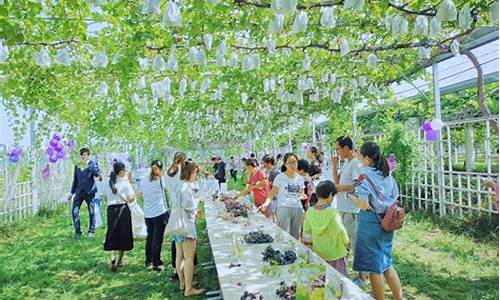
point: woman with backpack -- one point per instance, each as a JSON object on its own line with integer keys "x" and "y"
{"x": 376, "y": 192}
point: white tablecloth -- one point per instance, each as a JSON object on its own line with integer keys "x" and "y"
{"x": 234, "y": 281}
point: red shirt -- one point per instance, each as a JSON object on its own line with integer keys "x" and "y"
{"x": 259, "y": 195}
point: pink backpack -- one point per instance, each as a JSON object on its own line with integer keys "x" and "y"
{"x": 394, "y": 216}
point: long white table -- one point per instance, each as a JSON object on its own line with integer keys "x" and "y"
{"x": 248, "y": 277}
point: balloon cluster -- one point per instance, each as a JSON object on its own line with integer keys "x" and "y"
{"x": 392, "y": 161}
{"x": 431, "y": 130}
{"x": 55, "y": 151}
{"x": 15, "y": 154}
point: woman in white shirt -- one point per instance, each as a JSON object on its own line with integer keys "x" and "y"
{"x": 119, "y": 236}
{"x": 155, "y": 215}
{"x": 173, "y": 183}
{"x": 289, "y": 190}
{"x": 186, "y": 245}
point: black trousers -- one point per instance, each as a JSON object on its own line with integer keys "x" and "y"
{"x": 156, "y": 228}
{"x": 233, "y": 173}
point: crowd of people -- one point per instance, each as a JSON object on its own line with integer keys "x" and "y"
{"x": 337, "y": 218}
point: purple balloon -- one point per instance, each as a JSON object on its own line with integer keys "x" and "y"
{"x": 431, "y": 136}
{"x": 14, "y": 158}
{"x": 58, "y": 147}
{"x": 71, "y": 145}
{"x": 54, "y": 142}
{"x": 427, "y": 126}
{"x": 49, "y": 151}
{"x": 57, "y": 136}
{"x": 46, "y": 172}
{"x": 61, "y": 154}
{"x": 17, "y": 151}
{"x": 53, "y": 159}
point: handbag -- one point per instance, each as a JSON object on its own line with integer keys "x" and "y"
{"x": 395, "y": 214}
{"x": 166, "y": 202}
{"x": 179, "y": 223}
{"x": 139, "y": 229}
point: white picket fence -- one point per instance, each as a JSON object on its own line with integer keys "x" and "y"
{"x": 24, "y": 192}
{"x": 460, "y": 191}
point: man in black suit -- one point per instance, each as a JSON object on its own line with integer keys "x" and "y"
{"x": 84, "y": 189}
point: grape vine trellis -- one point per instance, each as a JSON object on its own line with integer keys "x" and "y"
{"x": 196, "y": 73}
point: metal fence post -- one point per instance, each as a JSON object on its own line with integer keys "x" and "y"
{"x": 439, "y": 148}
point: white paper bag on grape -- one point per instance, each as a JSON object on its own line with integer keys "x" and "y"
{"x": 455, "y": 48}
{"x": 270, "y": 45}
{"x": 345, "y": 48}
{"x": 100, "y": 60}
{"x": 435, "y": 27}
{"x": 193, "y": 55}
{"x": 327, "y": 18}
{"x": 354, "y": 4}
{"x": 300, "y": 22}
{"x": 117, "y": 87}
{"x": 151, "y": 6}
{"x": 276, "y": 24}
{"x": 172, "y": 14}
{"x": 493, "y": 13}
{"x": 207, "y": 40}
{"x": 422, "y": 26}
{"x": 63, "y": 57}
{"x": 447, "y": 11}
{"x": 372, "y": 60}
{"x": 42, "y": 58}
{"x": 362, "y": 82}
{"x": 159, "y": 63}
{"x": 234, "y": 60}
{"x": 424, "y": 53}
{"x": 388, "y": 21}
{"x": 205, "y": 85}
{"x": 143, "y": 62}
{"x": 202, "y": 57}
{"x": 4, "y": 52}
{"x": 465, "y": 18}
{"x": 255, "y": 61}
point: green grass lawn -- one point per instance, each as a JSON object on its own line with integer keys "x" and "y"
{"x": 39, "y": 260}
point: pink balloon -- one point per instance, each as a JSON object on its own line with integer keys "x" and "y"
{"x": 427, "y": 126}
{"x": 431, "y": 136}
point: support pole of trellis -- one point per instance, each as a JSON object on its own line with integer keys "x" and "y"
{"x": 354, "y": 121}
{"x": 313, "y": 130}
{"x": 439, "y": 145}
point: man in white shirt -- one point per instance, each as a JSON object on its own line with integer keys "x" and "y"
{"x": 344, "y": 183}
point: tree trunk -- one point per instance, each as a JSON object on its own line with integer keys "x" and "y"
{"x": 480, "y": 86}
